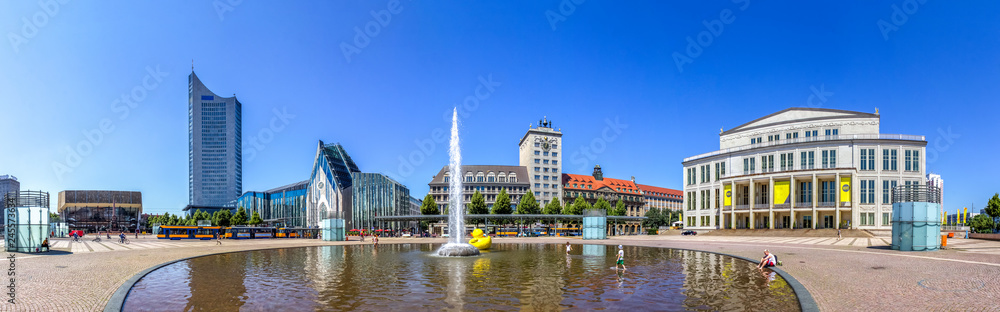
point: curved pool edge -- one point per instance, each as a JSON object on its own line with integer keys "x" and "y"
{"x": 117, "y": 301}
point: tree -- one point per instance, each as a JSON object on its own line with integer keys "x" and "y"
{"x": 993, "y": 207}
{"x": 240, "y": 218}
{"x": 502, "y": 204}
{"x": 553, "y": 207}
{"x": 602, "y": 204}
{"x": 657, "y": 217}
{"x": 619, "y": 209}
{"x": 528, "y": 205}
{"x": 478, "y": 206}
{"x": 222, "y": 218}
{"x": 255, "y": 219}
{"x": 428, "y": 206}
{"x": 54, "y": 218}
{"x": 982, "y": 224}
{"x": 577, "y": 208}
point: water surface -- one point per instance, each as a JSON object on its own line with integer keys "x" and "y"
{"x": 409, "y": 277}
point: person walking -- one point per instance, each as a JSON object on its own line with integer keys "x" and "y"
{"x": 621, "y": 259}
{"x": 568, "y": 248}
{"x": 218, "y": 239}
{"x": 375, "y": 239}
{"x": 838, "y": 235}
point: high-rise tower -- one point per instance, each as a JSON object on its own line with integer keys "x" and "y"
{"x": 541, "y": 153}
{"x": 215, "y": 151}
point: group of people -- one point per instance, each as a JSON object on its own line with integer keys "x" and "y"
{"x": 619, "y": 261}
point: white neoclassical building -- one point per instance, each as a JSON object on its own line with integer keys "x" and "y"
{"x": 801, "y": 168}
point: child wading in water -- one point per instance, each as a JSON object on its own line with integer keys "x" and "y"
{"x": 621, "y": 259}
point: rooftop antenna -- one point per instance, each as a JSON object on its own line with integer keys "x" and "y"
{"x": 192, "y": 65}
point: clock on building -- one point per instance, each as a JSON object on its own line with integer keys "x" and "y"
{"x": 546, "y": 143}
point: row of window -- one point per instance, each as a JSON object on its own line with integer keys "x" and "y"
{"x": 551, "y": 146}
{"x": 554, "y": 154}
{"x": 827, "y": 194}
{"x": 546, "y": 161}
{"x": 793, "y": 135}
{"x": 540, "y": 169}
{"x": 828, "y": 159}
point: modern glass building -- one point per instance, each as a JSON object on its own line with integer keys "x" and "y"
{"x": 377, "y": 195}
{"x": 94, "y": 211}
{"x": 283, "y": 206}
{"x": 329, "y": 190}
{"x": 8, "y": 184}
{"x": 215, "y": 153}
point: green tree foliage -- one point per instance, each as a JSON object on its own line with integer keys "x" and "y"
{"x": 502, "y": 204}
{"x": 602, "y": 204}
{"x": 240, "y": 218}
{"x": 428, "y": 206}
{"x": 657, "y": 217}
{"x": 222, "y": 218}
{"x": 577, "y": 208}
{"x": 528, "y": 205}
{"x": 54, "y": 218}
{"x": 982, "y": 224}
{"x": 553, "y": 207}
{"x": 255, "y": 219}
{"x": 993, "y": 206}
{"x": 619, "y": 209}
{"x": 477, "y": 206}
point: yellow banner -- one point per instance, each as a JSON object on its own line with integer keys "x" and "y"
{"x": 728, "y": 197}
{"x": 781, "y": 190}
{"x": 845, "y": 189}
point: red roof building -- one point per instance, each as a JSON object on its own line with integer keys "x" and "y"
{"x": 597, "y": 186}
{"x": 660, "y": 197}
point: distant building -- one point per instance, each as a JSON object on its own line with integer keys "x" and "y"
{"x": 540, "y": 152}
{"x": 661, "y": 197}
{"x": 93, "y": 211}
{"x": 597, "y": 186}
{"x": 488, "y": 180}
{"x": 8, "y": 184}
{"x": 935, "y": 180}
{"x": 330, "y": 192}
{"x": 215, "y": 151}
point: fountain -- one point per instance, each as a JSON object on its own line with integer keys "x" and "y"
{"x": 456, "y": 246}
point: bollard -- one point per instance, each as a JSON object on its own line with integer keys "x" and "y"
{"x": 944, "y": 240}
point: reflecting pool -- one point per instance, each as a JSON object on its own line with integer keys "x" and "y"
{"x": 405, "y": 277}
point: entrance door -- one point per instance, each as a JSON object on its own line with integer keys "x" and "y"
{"x": 786, "y": 221}
{"x": 807, "y": 222}
{"x": 827, "y": 222}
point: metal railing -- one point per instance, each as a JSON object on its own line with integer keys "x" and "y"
{"x": 916, "y": 193}
{"x": 904, "y": 137}
{"x": 26, "y": 199}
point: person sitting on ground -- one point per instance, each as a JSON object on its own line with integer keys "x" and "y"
{"x": 769, "y": 260}
{"x": 45, "y": 244}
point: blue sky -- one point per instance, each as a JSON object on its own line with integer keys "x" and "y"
{"x": 930, "y": 68}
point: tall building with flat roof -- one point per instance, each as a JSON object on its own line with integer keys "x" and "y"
{"x": 935, "y": 180}
{"x": 802, "y": 168}
{"x": 215, "y": 151}
{"x": 540, "y": 151}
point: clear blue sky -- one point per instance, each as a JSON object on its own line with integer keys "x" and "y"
{"x": 937, "y": 71}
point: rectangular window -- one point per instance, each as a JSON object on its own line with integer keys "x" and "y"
{"x": 716, "y": 171}
{"x": 746, "y": 165}
{"x": 723, "y": 169}
{"x": 867, "y": 191}
{"x": 885, "y": 218}
{"x": 544, "y": 154}
{"x": 808, "y": 134}
{"x": 828, "y": 192}
{"x": 864, "y": 218}
{"x": 784, "y": 160}
{"x": 753, "y": 165}
{"x": 545, "y": 161}
{"x": 916, "y": 161}
{"x": 536, "y": 152}
{"x": 887, "y": 187}
{"x": 805, "y": 192}
{"x": 906, "y": 161}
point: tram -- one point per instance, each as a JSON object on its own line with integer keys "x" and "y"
{"x": 177, "y": 232}
{"x": 247, "y": 232}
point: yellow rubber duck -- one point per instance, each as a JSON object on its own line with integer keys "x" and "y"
{"x": 481, "y": 241}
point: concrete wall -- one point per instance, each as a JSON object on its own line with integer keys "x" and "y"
{"x": 985, "y": 236}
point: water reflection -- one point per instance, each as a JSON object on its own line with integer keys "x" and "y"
{"x": 511, "y": 276}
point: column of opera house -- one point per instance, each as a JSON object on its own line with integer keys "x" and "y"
{"x": 802, "y": 168}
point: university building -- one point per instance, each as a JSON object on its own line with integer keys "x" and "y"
{"x": 215, "y": 151}
{"x": 802, "y": 168}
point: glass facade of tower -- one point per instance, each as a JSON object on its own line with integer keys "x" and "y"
{"x": 215, "y": 151}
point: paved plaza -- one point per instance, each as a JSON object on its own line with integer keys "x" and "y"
{"x": 853, "y": 274}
